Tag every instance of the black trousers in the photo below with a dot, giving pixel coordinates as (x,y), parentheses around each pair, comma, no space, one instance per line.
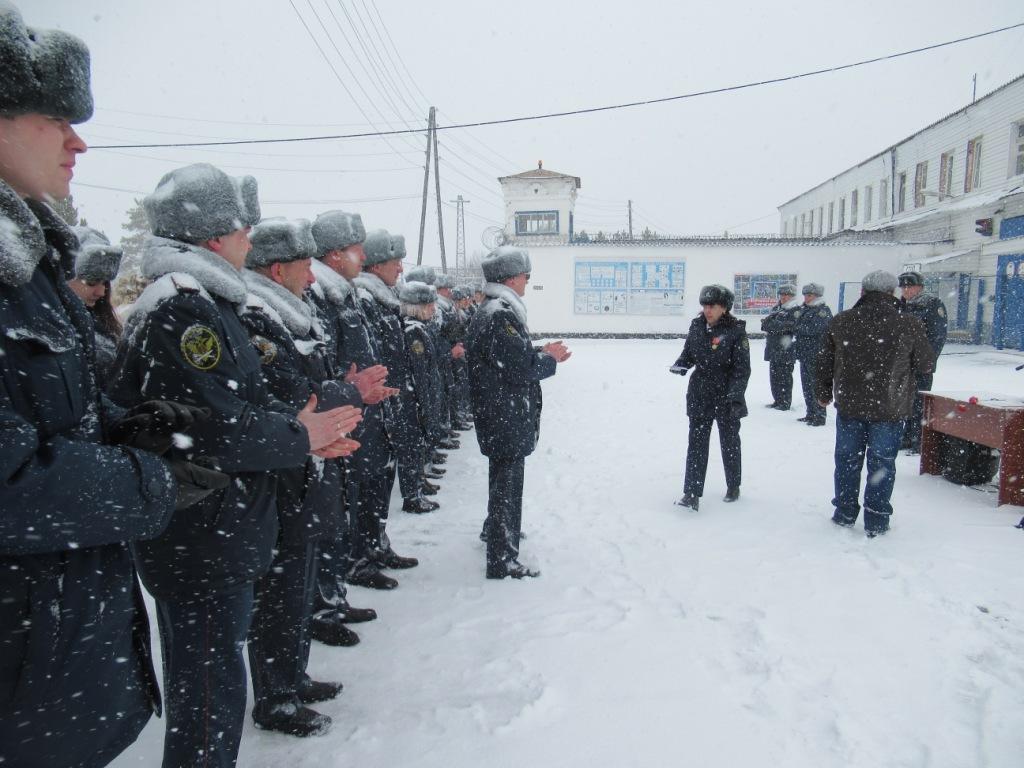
(697,453)
(808,367)
(912,431)
(279,637)
(780,376)
(372,498)
(203,644)
(504,509)
(410,450)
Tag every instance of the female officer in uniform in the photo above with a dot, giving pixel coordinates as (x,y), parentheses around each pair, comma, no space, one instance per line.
(717,347)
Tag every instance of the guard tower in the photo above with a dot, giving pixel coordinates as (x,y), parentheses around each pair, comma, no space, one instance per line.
(539,206)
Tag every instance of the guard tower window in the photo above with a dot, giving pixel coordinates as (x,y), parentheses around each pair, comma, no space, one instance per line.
(537,223)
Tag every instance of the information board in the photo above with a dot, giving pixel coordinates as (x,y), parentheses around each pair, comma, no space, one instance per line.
(629,287)
(756,294)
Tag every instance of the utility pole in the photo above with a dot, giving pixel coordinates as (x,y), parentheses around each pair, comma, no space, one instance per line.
(437,193)
(426,182)
(974,89)
(460,236)
(630,202)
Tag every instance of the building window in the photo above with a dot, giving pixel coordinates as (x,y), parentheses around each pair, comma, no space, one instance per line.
(831,217)
(972,176)
(842,213)
(946,175)
(901,192)
(537,223)
(803,225)
(883,198)
(821,220)
(810,223)
(868,194)
(853,208)
(920,183)
(1017,149)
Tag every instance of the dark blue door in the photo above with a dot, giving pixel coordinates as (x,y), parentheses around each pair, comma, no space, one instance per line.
(1008,330)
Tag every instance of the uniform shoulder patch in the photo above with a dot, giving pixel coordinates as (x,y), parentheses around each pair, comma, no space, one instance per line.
(200,347)
(823,312)
(266,348)
(745,343)
(941,310)
(417,347)
(510,330)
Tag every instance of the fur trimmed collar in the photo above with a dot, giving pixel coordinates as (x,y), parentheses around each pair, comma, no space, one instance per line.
(161,256)
(503,292)
(28,231)
(335,288)
(294,312)
(816,303)
(376,287)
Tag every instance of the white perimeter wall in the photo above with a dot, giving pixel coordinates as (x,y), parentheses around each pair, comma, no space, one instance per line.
(550,294)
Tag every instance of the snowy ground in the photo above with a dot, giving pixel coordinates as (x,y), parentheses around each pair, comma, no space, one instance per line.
(751,634)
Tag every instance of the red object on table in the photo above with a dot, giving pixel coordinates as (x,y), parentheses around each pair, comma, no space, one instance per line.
(973,400)
(991,423)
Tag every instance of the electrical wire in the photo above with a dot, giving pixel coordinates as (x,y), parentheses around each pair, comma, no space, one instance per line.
(582,111)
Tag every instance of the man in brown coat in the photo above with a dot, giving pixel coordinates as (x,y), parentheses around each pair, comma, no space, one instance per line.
(870,358)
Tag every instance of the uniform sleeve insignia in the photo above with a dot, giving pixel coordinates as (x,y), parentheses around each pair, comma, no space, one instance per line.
(510,330)
(745,343)
(417,347)
(266,348)
(823,313)
(200,347)
(941,310)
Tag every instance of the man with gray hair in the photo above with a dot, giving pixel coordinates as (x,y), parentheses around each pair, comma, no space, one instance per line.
(869,360)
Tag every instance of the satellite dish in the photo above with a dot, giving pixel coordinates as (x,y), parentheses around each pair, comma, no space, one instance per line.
(492,237)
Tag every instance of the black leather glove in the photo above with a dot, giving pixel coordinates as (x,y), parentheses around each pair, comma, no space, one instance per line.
(196,480)
(678,369)
(152,425)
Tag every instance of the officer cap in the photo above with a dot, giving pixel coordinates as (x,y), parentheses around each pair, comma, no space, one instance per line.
(379,247)
(911,278)
(280,241)
(813,289)
(788,289)
(716,294)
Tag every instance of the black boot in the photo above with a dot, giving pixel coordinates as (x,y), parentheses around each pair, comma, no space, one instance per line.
(732,494)
(772,405)
(433,472)
(293,719)
(1020,524)
(689,500)
(449,444)
(348,615)
(328,629)
(438,458)
(428,488)
(804,418)
(418,505)
(370,576)
(514,569)
(313,691)
(391,559)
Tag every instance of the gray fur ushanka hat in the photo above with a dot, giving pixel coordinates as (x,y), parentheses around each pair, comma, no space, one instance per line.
(788,289)
(444,280)
(45,71)
(417,293)
(280,241)
(379,247)
(200,202)
(398,244)
(421,274)
(716,294)
(337,230)
(813,289)
(96,261)
(504,262)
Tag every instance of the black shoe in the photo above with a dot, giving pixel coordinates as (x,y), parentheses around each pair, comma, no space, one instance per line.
(515,570)
(815,422)
(293,720)
(438,458)
(428,488)
(391,559)
(842,522)
(370,577)
(689,500)
(433,472)
(419,505)
(349,615)
(873,532)
(449,444)
(781,406)
(732,494)
(1020,524)
(313,691)
(804,418)
(772,405)
(329,630)
(462,426)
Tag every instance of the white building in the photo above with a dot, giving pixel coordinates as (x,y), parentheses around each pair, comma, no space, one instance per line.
(539,206)
(956,185)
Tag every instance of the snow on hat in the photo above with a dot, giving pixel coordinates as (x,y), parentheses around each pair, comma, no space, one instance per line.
(279,241)
(200,202)
(817,289)
(787,288)
(417,293)
(911,278)
(504,262)
(444,280)
(337,230)
(460,292)
(46,71)
(879,280)
(96,261)
(420,274)
(716,294)
(379,247)
(398,243)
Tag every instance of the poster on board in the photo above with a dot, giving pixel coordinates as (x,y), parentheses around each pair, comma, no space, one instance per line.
(629,287)
(756,294)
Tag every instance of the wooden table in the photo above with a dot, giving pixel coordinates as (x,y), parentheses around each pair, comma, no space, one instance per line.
(994,420)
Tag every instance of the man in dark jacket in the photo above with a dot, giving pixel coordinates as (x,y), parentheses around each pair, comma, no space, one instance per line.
(869,359)
(717,347)
(505,371)
(931,312)
(76,681)
(812,320)
(184,341)
(779,328)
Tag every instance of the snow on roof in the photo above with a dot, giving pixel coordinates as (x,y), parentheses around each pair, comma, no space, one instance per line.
(963,203)
(541,173)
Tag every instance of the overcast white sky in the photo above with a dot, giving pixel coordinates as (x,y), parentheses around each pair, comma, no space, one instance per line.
(190,70)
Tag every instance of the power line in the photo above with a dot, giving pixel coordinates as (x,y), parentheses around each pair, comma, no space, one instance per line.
(350,201)
(179,161)
(583,111)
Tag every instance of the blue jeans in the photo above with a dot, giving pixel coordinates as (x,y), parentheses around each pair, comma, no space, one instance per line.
(880,442)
